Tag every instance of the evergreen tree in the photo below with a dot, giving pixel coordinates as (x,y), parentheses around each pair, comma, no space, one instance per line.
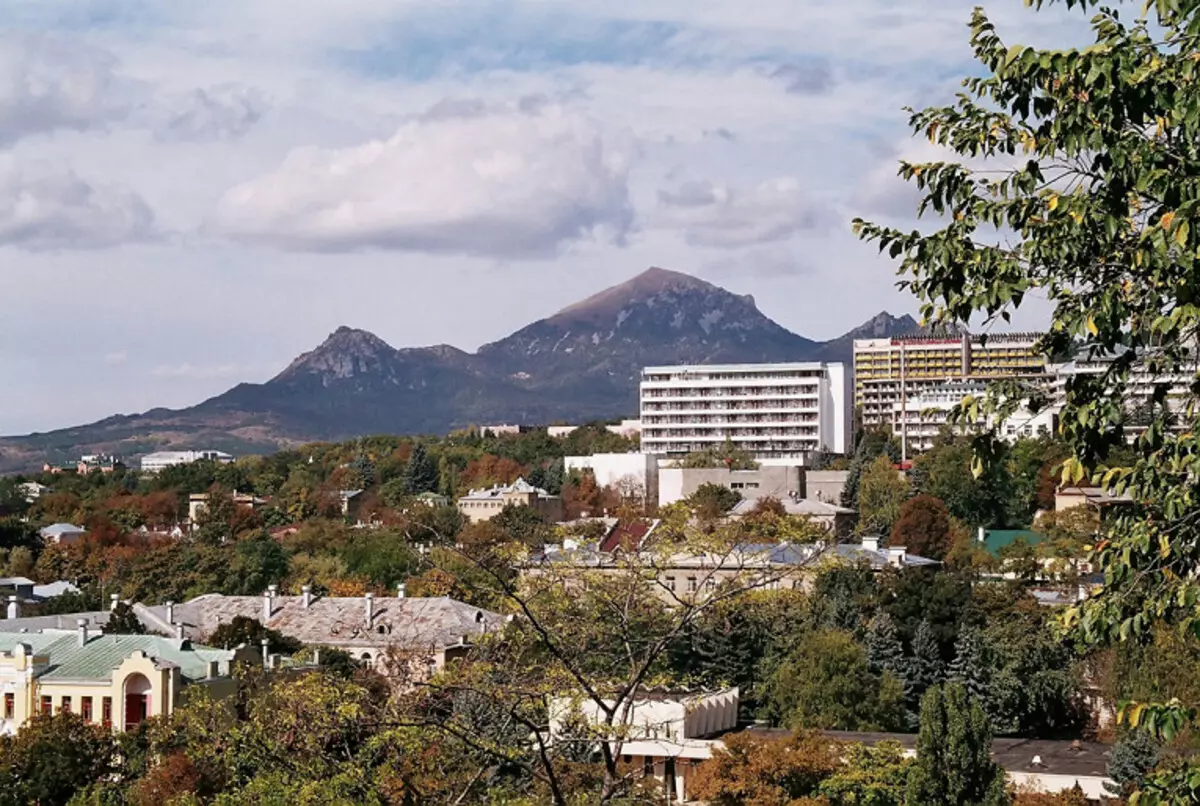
(1135,754)
(421,473)
(123,621)
(954,765)
(447,477)
(970,667)
(925,667)
(365,469)
(885,653)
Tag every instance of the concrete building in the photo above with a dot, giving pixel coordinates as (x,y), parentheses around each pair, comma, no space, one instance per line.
(112,680)
(825,485)
(198,502)
(834,519)
(618,470)
(485,504)
(677,483)
(779,413)
(161,460)
(888,371)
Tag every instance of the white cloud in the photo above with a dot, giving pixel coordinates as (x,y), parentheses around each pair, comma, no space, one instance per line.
(201,371)
(497,182)
(47,83)
(57,210)
(722,216)
(217,113)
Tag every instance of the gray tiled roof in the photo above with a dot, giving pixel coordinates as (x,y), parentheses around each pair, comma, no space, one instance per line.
(341,621)
(97,658)
(65,621)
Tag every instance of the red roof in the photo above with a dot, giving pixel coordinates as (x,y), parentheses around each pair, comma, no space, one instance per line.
(627,534)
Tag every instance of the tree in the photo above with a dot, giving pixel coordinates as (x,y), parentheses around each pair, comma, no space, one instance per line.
(970,667)
(523,524)
(923,527)
(885,652)
(872,444)
(1086,160)
(925,667)
(51,758)
(421,473)
(123,621)
(954,765)
(945,473)
(825,683)
(870,776)
(711,501)
(251,632)
(881,492)
(764,771)
(1134,755)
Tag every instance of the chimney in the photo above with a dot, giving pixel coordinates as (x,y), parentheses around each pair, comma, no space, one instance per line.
(113,601)
(306,595)
(179,631)
(370,599)
(266,658)
(871,543)
(401,591)
(316,656)
(982,535)
(896,555)
(170,612)
(266,605)
(81,630)
(464,639)
(14,607)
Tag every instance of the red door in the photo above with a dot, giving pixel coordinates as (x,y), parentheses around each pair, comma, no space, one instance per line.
(137,708)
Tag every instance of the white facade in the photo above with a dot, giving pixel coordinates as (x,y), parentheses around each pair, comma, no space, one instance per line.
(618,470)
(157,462)
(773,411)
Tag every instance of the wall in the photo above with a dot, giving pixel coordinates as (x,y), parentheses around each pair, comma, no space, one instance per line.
(676,483)
(825,485)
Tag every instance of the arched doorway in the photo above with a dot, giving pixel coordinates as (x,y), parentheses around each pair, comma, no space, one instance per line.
(137,700)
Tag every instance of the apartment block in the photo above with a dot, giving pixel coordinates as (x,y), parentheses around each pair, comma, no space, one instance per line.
(888,371)
(779,413)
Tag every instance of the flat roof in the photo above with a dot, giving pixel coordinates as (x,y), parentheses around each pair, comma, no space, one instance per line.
(744,367)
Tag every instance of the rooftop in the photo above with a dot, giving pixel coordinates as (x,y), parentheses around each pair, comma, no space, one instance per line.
(520,486)
(97,658)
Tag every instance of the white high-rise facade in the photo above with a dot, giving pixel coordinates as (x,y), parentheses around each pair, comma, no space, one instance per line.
(777,412)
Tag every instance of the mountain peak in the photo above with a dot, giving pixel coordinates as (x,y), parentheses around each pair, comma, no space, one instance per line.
(347,351)
(883,324)
(651,282)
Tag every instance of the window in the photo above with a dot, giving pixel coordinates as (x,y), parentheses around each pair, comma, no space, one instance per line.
(106,712)
(85,708)
(670,583)
(66,705)
(47,706)
(691,585)
(10,705)
(710,584)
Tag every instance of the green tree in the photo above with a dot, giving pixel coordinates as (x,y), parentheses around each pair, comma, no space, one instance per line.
(53,757)
(872,443)
(523,524)
(954,765)
(825,683)
(421,474)
(727,455)
(970,667)
(923,527)
(870,776)
(1134,755)
(945,473)
(711,501)
(123,621)
(925,667)
(257,563)
(251,632)
(881,492)
(885,652)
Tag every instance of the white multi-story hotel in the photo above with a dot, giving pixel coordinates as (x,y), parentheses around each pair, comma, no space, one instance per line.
(157,462)
(777,412)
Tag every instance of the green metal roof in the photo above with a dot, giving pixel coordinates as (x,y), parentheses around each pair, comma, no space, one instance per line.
(97,659)
(996,539)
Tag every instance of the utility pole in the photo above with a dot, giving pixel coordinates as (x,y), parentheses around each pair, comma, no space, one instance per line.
(903,410)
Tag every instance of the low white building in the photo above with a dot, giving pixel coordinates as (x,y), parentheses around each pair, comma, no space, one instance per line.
(62,534)
(161,460)
(677,483)
(620,471)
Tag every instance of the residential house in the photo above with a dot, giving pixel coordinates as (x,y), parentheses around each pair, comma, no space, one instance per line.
(97,463)
(26,590)
(63,534)
(431,500)
(32,491)
(198,501)
(485,504)
(112,680)
(1098,498)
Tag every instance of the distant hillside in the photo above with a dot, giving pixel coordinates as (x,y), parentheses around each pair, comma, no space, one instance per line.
(581,363)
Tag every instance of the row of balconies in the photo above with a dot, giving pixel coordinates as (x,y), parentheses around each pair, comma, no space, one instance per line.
(735,420)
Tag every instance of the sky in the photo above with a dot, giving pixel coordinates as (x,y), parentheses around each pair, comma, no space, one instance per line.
(193,193)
